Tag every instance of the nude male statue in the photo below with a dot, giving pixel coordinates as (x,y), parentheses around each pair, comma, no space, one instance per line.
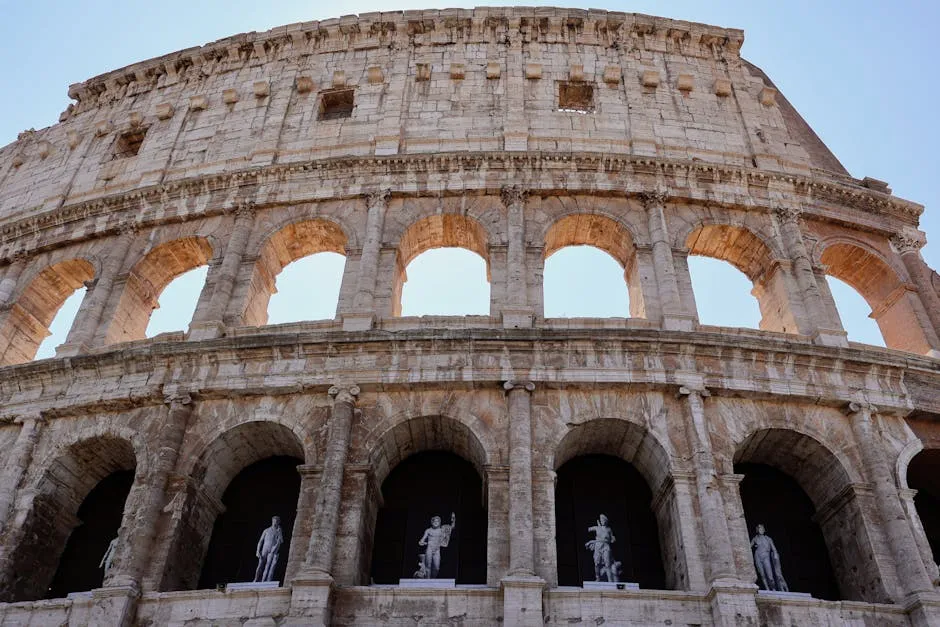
(767,561)
(603,561)
(435,538)
(269,544)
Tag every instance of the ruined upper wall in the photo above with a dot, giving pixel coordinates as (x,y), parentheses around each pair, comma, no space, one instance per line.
(481,80)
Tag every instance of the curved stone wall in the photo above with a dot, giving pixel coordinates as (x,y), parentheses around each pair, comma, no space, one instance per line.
(512,133)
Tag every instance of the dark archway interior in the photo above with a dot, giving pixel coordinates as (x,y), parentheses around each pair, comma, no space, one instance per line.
(774,499)
(264,489)
(422,486)
(591,485)
(923,475)
(100,515)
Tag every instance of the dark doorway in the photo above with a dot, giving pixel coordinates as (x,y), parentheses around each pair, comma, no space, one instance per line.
(425,485)
(262,490)
(774,499)
(923,475)
(100,515)
(589,486)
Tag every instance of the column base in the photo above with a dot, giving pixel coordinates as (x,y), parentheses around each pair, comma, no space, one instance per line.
(522,600)
(517,318)
(358,321)
(830,337)
(311,600)
(208,330)
(733,603)
(71,349)
(115,605)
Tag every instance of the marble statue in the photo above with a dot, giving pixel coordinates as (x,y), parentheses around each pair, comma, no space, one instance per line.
(108,558)
(604,564)
(767,561)
(435,538)
(269,545)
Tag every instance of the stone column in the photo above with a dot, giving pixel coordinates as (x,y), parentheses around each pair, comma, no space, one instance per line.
(788,222)
(89,316)
(908,247)
(663,264)
(10,278)
(362,316)
(139,526)
(326,515)
(18,460)
(912,575)
(718,549)
(522,589)
(515,311)
(209,323)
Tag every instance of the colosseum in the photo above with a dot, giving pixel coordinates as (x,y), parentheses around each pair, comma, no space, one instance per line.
(139,473)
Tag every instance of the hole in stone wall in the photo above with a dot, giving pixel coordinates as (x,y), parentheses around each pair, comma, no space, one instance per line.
(128,144)
(723,294)
(336,104)
(584,281)
(307,289)
(854,312)
(575,97)
(446,282)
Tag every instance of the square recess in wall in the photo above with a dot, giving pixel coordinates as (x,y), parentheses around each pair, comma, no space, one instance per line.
(336,104)
(575,97)
(128,144)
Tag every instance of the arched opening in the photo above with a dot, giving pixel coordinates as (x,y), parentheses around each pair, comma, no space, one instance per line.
(177,303)
(894,304)
(448,281)
(580,280)
(587,488)
(798,489)
(773,499)
(409,543)
(256,495)
(613,467)
(923,475)
(76,512)
(243,478)
(146,282)
(854,313)
(720,292)
(28,320)
(310,286)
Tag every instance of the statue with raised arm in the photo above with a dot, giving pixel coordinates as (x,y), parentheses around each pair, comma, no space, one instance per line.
(435,538)
(108,558)
(767,561)
(269,545)
(604,565)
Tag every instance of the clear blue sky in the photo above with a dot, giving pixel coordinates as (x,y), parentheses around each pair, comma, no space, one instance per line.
(863,74)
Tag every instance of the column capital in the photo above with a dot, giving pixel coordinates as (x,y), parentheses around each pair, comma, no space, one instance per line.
(528,386)
(787,213)
(378,197)
(653,197)
(909,242)
(513,194)
(344,393)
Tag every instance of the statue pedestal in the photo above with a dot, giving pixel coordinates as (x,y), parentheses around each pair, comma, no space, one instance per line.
(776,594)
(253,585)
(427,583)
(610,585)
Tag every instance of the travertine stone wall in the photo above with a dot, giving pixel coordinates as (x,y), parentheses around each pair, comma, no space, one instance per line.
(457,137)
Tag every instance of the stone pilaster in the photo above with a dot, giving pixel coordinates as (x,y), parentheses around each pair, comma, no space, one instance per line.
(788,221)
(912,575)
(209,323)
(139,526)
(10,278)
(908,247)
(363,314)
(17,461)
(663,264)
(516,311)
(719,562)
(89,316)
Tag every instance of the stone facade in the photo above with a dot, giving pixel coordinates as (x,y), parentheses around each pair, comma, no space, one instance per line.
(512,133)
